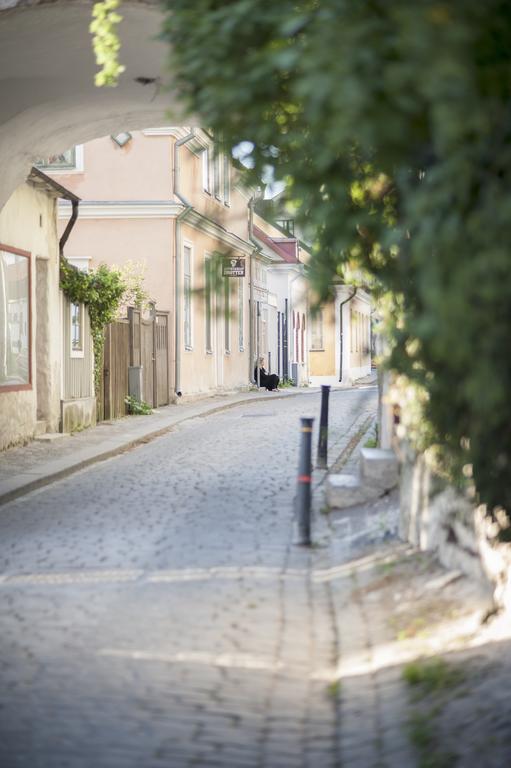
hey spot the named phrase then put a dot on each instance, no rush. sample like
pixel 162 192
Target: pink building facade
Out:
pixel 163 199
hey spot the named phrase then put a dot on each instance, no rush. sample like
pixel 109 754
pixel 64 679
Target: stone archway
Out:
pixel 48 100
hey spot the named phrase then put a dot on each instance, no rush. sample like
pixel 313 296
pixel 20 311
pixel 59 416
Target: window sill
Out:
pixel 14 387
pixel 77 354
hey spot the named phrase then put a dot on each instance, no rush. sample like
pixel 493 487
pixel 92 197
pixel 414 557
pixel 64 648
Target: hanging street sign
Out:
pixel 232 267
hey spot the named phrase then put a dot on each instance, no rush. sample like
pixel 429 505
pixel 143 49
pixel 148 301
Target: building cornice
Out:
pixel 123 209
pixel 166 130
pixel 156 209
pixel 210 227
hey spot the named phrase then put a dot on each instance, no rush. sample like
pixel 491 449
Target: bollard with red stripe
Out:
pixel 303 492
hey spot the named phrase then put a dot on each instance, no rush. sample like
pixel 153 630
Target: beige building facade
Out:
pixel 340 339
pixel 37 358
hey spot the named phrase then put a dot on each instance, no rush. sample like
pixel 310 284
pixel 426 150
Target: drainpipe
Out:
pixel 69 226
pixel 341 329
pixel 177 251
pixel 292 308
pixel 257 249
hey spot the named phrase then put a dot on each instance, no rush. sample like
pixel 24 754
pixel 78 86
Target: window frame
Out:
pixel 77 353
pixel 241 315
pixel 27 385
pixel 206 171
pixel 227 316
pixel 188 299
pixel 59 170
pixel 227 181
pixel 208 306
pixel 217 174
pixel 317 322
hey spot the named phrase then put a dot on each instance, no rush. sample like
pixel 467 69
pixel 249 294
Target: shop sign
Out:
pixel 232 267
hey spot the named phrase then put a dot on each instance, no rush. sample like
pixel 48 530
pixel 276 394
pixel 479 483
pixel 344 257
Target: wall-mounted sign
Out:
pixel 232 267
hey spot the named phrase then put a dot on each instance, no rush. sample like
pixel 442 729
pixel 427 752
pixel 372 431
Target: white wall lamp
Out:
pixel 121 139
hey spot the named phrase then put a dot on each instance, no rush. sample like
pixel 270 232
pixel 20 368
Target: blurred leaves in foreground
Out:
pixel 391 122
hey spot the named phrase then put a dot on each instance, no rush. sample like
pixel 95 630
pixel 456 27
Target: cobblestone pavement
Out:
pixel 155 611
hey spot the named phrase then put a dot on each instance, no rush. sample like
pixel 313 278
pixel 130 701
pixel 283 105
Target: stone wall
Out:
pixel 436 517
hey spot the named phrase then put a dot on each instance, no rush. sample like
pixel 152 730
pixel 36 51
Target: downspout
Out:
pixel 69 226
pixel 292 309
pixel 177 265
pixel 342 331
pixel 75 202
pixel 257 249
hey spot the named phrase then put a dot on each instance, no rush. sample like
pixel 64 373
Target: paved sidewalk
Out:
pixel 38 463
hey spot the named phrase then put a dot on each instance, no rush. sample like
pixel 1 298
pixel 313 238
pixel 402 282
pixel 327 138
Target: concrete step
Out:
pixel 41 427
pixel 347 490
pixel 379 467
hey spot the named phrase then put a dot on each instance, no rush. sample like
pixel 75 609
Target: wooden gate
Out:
pixel 135 342
pixel 115 369
pixel 161 355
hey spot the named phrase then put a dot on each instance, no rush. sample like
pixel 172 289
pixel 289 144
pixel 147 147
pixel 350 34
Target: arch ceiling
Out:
pixel 48 100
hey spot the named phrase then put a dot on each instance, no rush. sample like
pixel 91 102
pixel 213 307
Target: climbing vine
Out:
pixel 105 41
pixel 102 291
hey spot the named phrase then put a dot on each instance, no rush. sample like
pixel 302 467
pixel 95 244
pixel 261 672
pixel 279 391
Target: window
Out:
pixel 241 340
pixel 70 161
pixel 303 339
pixel 288 225
pixel 208 300
pixel 216 175
pixel 76 330
pixel 14 319
pixel 187 288
pixel 206 185
pixel 297 336
pixel 317 331
pixel 227 315
pixel 227 181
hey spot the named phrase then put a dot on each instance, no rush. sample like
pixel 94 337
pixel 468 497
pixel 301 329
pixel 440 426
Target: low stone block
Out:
pixel 346 490
pixel 78 414
pixel 379 467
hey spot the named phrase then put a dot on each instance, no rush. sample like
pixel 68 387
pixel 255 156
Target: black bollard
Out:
pixel 303 493
pixel 322 461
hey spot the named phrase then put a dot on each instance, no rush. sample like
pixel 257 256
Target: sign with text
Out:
pixel 232 267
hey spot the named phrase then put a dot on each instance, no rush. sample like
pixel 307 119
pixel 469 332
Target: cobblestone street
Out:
pixel 156 613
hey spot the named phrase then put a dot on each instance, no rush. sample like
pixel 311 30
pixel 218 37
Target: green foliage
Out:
pixel 105 41
pixel 390 122
pixel 101 290
pixel 137 407
pixel 433 681
pixel 433 676
pixel 423 733
pixel 134 295
pixel 334 689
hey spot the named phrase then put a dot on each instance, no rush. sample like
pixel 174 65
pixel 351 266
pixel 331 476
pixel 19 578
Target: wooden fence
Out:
pixel 135 342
